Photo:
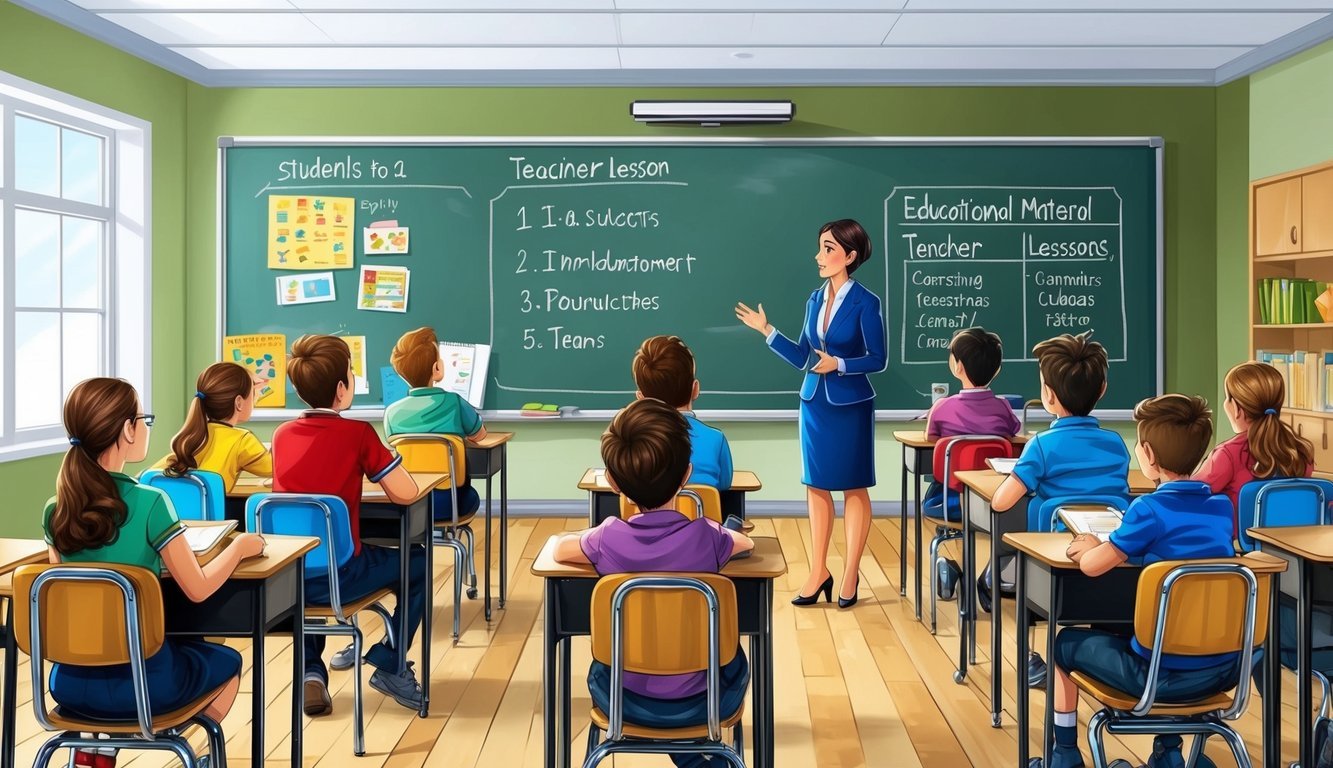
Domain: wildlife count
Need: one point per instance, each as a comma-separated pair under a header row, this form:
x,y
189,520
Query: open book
x,y
1003,466
1099,520
203,538
465,368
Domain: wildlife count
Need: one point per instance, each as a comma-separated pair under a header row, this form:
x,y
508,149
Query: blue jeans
x,y
373,569
469,501
1109,659
733,679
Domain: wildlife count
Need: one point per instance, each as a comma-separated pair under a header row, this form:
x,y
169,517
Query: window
x,y
74,232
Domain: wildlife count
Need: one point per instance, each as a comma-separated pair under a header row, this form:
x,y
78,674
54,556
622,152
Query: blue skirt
x,y
837,443
178,674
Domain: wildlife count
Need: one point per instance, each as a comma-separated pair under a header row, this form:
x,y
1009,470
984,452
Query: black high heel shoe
x,y
826,588
848,602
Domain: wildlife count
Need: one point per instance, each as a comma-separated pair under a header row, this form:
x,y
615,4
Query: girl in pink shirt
x,y
1264,446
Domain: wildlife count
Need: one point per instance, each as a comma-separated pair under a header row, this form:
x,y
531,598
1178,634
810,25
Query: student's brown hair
x,y
1178,427
415,355
89,510
646,451
215,393
317,366
1074,367
852,237
1278,451
980,353
664,370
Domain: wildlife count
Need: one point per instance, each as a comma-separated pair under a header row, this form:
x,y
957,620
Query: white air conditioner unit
x,y
712,113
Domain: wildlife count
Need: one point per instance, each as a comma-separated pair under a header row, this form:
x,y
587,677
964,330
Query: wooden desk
x,y
13,554
415,522
1053,585
263,594
567,614
1309,550
486,458
979,488
604,502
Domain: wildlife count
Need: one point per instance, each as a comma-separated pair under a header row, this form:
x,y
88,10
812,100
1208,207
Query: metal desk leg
x,y
916,506
257,674
902,530
996,661
1052,627
404,581
756,697
1303,662
1272,692
964,594
7,740
504,522
549,644
1021,692
487,578
429,619
566,703
298,662
766,644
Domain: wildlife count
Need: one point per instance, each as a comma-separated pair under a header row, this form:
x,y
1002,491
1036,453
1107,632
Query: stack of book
x,y
1308,377
540,411
1287,301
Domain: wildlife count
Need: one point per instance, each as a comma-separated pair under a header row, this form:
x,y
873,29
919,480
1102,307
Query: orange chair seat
x,y
600,720
179,717
1117,699
349,608
463,520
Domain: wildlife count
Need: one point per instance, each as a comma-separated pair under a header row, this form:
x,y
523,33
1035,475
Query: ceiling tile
x,y
475,29
220,28
337,58
833,58
746,29
1095,28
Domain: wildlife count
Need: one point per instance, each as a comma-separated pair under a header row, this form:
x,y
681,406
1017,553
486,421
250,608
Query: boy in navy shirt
x,y
664,370
1181,520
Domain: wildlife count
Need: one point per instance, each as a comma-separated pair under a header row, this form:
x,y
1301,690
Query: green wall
x,y
44,52
1233,332
1291,114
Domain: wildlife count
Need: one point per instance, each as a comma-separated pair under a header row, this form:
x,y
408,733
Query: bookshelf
x,y
1291,239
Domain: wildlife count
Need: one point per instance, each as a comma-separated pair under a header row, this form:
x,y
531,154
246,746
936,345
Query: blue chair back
x,y
1044,519
196,495
1281,502
305,514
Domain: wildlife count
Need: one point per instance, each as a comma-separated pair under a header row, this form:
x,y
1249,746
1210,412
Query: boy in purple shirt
x,y
647,455
974,359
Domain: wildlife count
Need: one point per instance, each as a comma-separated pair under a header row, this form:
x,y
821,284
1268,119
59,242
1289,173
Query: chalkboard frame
x,y
376,413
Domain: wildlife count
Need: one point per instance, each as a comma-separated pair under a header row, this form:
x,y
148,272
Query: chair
x,y
1194,608
1280,502
1046,519
1023,420
952,455
196,495
94,614
664,624
324,517
447,454
704,500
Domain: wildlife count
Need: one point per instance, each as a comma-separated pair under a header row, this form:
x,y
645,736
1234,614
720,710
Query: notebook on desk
x,y
1003,466
203,538
1098,520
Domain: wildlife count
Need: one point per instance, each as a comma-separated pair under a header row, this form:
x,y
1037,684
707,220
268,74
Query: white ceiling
x,y
702,42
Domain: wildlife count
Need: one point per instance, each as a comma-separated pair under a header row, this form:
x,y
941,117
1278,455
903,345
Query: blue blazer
x,y
856,335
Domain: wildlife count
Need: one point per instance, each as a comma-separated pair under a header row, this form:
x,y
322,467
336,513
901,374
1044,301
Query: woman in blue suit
x,y
844,333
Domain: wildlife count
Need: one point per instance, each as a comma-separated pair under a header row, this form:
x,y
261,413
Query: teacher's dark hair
x,y
852,237
646,451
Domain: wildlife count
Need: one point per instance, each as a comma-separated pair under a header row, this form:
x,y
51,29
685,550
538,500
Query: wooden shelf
x,y
1304,412
1293,257
1296,326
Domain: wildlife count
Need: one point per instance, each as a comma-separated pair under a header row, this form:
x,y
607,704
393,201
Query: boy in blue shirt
x,y
1181,520
664,370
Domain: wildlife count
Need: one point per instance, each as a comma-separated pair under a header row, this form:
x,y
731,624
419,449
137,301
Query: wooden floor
x,y
864,687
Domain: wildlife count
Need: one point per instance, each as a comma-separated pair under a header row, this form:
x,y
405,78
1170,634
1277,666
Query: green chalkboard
x,y
565,254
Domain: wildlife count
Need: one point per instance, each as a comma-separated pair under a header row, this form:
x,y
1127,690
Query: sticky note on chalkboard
x,y
392,385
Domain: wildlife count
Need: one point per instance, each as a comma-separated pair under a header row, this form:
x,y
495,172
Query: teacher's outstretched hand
x,y
841,342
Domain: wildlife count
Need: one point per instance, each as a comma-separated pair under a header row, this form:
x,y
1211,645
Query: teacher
x,y
844,329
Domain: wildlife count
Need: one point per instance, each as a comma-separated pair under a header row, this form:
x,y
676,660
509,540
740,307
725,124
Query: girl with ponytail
x,y
101,515
212,439
1264,445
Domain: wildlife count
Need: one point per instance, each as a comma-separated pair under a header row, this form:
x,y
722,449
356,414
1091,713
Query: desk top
x,y
279,552
766,562
918,439
248,485
1311,542
17,552
491,440
1050,548
985,482
593,480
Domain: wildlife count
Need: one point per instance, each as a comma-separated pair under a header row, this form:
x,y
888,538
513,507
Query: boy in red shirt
x,y
321,452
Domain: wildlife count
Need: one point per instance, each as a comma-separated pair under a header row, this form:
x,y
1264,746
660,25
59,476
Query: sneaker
x,y
947,576
1061,757
1166,753
83,757
1036,670
402,687
343,659
317,701
203,761
983,591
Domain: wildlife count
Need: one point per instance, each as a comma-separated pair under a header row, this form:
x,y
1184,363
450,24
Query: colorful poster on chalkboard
x,y
265,356
357,344
383,289
305,289
309,232
385,237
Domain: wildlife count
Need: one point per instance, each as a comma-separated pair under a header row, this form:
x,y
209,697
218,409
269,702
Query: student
x,y
321,452
1181,520
664,370
1264,446
101,515
429,409
212,438
1075,456
646,454
974,359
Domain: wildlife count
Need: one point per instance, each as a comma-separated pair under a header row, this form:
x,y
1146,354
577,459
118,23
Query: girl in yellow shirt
x,y
212,439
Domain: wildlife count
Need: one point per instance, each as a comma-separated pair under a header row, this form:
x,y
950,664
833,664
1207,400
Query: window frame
x,y
125,214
